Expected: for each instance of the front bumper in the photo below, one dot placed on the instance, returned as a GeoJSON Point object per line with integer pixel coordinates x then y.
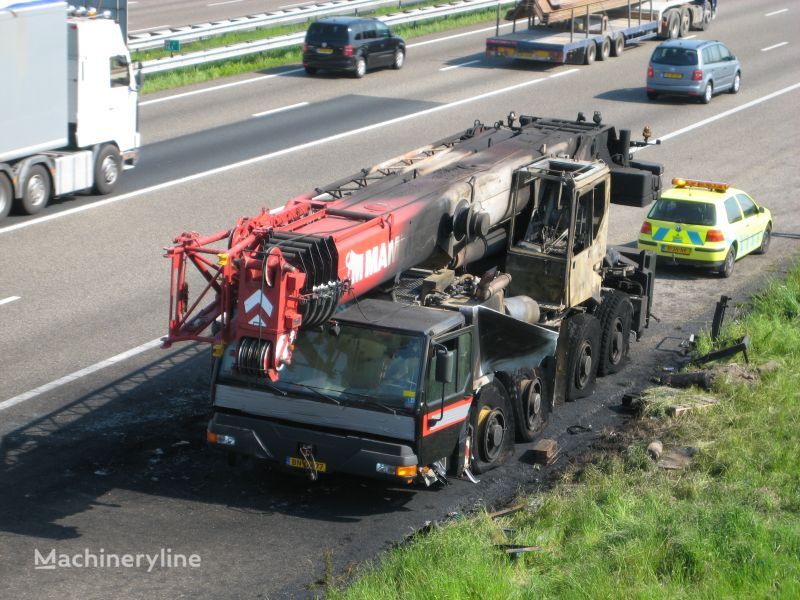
{"type": "Point", "coordinates": [340, 452]}
{"type": "Point", "coordinates": [697, 257]}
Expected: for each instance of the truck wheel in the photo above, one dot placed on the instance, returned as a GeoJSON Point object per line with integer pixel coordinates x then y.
{"type": "Point", "coordinates": [590, 54]}
{"type": "Point", "coordinates": [673, 25]}
{"type": "Point", "coordinates": [726, 270]}
{"type": "Point", "coordinates": [6, 196]}
{"type": "Point", "coordinates": [583, 341]}
{"type": "Point", "coordinates": [492, 424]}
{"type": "Point", "coordinates": [705, 19]}
{"type": "Point", "coordinates": [35, 190]}
{"type": "Point", "coordinates": [616, 316]}
{"type": "Point", "coordinates": [685, 22]}
{"type": "Point", "coordinates": [531, 406]}
{"type": "Point", "coordinates": [107, 169]}
{"type": "Point", "coordinates": [618, 47]}
{"type": "Point", "coordinates": [762, 249]}
{"type": "Point", "coordinates": [605, 49]}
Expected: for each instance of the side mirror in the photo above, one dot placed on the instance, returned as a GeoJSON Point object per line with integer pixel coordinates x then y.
{"type": "Point", "coordinates": [761, 209]}
{"type": "Point", "coordinates": [139, 75]}
{"type": "Point", "coordinates": [445, 365]}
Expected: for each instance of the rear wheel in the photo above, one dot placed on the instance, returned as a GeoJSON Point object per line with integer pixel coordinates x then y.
{"type": "Point", "coordinates": [605, 49]}
{"type": "Point", "coordinates": [685, 22]}
{"type": "Point", "coordinates": [618, 46]}
{"type": "Point", "coordinates": [399, 59]}
{"type": "Point", "coordinates": [673, 25]}
{"type": "Point", "coordinates": [6, 195]}
{"type": "Point", "coordinates": [765, 240]}
{"type": "Point", "coordinates": [107, 169]}
{"type": "Point", "coordinates": [35, 190]}
{"type": "Point", "coordinates": [708, 93]}
{"type": "Point", "coordinates": [531, 406]}
{"type": "Point", "coordinates": [583, 341]}
{"type": "Point", "coordinates": [726, 270]}
{"type": "Point", "coordinates": [492, 425]}
{"type": "Point", "coordinates": [591, 53]}
{"type": "Point", "coordinates": [737, 83]}
{"type": "Point", "coordinates": [361, 67]}
{"type": "Point", "coordinates": [616, 316]}
{"type": "Point", "coordinates": [705, 20]}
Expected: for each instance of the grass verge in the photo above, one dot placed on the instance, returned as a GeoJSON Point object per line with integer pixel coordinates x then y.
{"type": "Point", "coordinates": [157, 82]}
{"type": "Point", "coordinates": [728, 525]}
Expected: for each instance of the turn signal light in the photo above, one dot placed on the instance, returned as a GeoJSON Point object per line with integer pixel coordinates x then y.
{"type": "Point", "coordinates": [697, 75]}
{"type": "Point", "coordinates": [347, 50]}
{"type": "Point", "coordinates": [406, 471]}
{"type": "Point", "coordinates": [647, 228]}
{"type": "Point", "coordinates": [650, 72]}
{"type": "Point", "coordinates": [715, 235]}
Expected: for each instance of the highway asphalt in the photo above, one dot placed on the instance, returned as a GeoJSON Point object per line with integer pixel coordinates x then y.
{"type": "Point", "coordinates": [80, 463]}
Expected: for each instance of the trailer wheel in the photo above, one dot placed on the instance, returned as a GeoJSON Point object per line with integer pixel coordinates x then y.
{"type": "Point", "coordinates": [589, 54]}
{"type": "Point", "coordinates": [616, 316]}
{"type": "Point", "coordinates": [531, 405]}
{"type": "Point", "coordinates": [605, 49]}
{"type": "Point", "coordinates": [492, 424]}
{"type": "Point", "coordinates": [673, 25]}
{"type": "Point", "coordinates": [35, 190]}
{"type": "Point", "coordinates": [685, 22]}
{"type": "Point", "coordinates": [705, 19]}
{"type": "Point", "coordinates": [618, 46]}
{"type": "Point", "coordinates": [583, 341]}
{"type": "Point", "coordinates": [107, 169]}
{"type": "Point", "coordinates": [6, 196]}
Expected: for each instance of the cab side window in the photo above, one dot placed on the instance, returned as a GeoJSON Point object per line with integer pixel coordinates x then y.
{"type": "Point", "coordinates": [120, 76]}
{"type": "Point", "coordinates": [749, 207]}
{"type": "Point", "coordinates": [369, 32]}
{"type": "Point", "coordinates": [732, 209]}
{"type": "Point", "coordinates": [382, 30]}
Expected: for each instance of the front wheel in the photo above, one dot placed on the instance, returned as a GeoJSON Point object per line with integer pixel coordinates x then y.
{"type": "Point", "coordinates": [399, 59]}
{"type": "Point", "coordinates": [35, 190]}
{"type": "Point", "coordinates": [737, 83]}
{"type": "Point", "coordinates": [492, 425]}
{"type": "Point", "coordinates": [708, 93]}
{"type": "Point", "coordinates": [107, 169]}
{"type": "Point", "coordinates": [361, 67]}
{"type": "Point", "coordinates": [591, 53]}
{"type": "Point", "coordinates": [730, 260]}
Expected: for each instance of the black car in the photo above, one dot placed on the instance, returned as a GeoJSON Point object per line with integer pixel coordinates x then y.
{"type": "Point", "coordinates": [351, 44]}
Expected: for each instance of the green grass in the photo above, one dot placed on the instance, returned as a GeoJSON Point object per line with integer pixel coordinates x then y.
{"type": "Point", "coordinates": [157, 82]}
{"type": "Point", "coordinates": [726, 527]}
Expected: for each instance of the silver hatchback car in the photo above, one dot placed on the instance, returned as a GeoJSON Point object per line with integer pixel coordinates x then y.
{"type": "Point", "coordinates": [697, 68]}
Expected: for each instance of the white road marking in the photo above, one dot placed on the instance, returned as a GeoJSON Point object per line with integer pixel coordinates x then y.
{"type": "Point", "coordinates": [293, 5]}
{"type": "Point", "coordinates": [776, 12]}
{"type": "Point", "coordinates": [562, 73]}
{"type": "Point", "coordinates": [152, 344]}
{"type": "Point", "coordinates": [689, 37]}
{"type": "Point", "coordinates": [291, 71]}
{"type": "Point", "coordinates": [277, 110]}
{"type": "Point", "coordinates": [79, 374]}
{"type": "Point", "coordinates": [464, 64]}
{"type": "Point", "coordinates": [149, 29]}
{"type": "Point", "coordinates": [9, 300]}
{"type": "Point", "coordinates": [226, 2]}
{"type": "Point", "coordinates": [768, 48]}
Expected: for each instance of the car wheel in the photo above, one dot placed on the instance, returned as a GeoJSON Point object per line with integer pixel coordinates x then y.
{"type": "Point", "coordinates": [107, 168]}
{"type": "Point", "coordinates": [605, 49]}
{"type": "Point", "coordinates": [591, 53]}
{"type": "Point", "coordinates": [737, 83]}
{"type": "Point", "coordinates": [6, 196]}
{"type": "Point", "coordinates": [730, 260]}
{"type": "Point", "coordinates": [35, 190]}
{"type": "Point", "coordinates": [765, 240]}
{"type": "Point", "coordinates": [583, 341]}
{"type": "Point", "coordinates": [311, 70]}
{"type": "Point", "coordinates": [399, 59]}
{"type": "Point", "coordinates": [685, 23]}
{"type": "Point", "coordinates": [492, 428]}
{"type": "Point", "coordinates": [708, 93]}
{"type": "Point", "coordinates": [361, 67]}
{"type": "Point", "coordinates": [652, 95]}
{"type": "Point", "coordinates": [618, 46]}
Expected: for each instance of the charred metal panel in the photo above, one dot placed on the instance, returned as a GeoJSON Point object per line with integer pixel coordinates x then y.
{"type": "Point", "coordinates": [508, 345]}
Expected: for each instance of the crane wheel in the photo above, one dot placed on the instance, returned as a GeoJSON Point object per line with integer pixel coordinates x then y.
{"type": "Point", "coordinates": [615, 315]}
{"type": "Point", "coordinates": [583, 341]}
{"type": "Point", "coordinates": [492, 424]}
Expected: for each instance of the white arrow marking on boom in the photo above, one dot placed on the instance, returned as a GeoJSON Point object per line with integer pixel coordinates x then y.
{"type": "Point", "coordinates": [256, 299]}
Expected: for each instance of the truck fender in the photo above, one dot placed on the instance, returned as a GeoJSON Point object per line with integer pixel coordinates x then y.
{"type": "Point", "coordinates": [20, 171]}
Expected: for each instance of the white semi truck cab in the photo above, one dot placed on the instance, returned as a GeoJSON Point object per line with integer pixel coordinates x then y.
{"type": "Point", "coordinates": [69, 117]}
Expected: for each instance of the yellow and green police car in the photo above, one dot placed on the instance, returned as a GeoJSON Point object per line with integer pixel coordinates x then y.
{"type": "Point", "coordinates": [705, 224]}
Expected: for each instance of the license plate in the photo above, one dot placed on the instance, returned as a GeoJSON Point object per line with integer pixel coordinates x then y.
{"type": "Point", "coordinates": [324, 50]}
{"type": "Point", "coordinates": [299, 463]}
{"type": "Point", "coordinates": [506, 51]}
{"type": "Point", "coordinates": [676, 250]}
{"type": "Point", "coordinates": [673, 75]}
{"type": "Point", "coordinates": [541, 54]}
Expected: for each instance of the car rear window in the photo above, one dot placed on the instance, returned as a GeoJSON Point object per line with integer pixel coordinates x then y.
{"type": "Point", "coordinates": [327, 32]}
{"type": "Point", "coordinates": [682, 211]}
{"type": "Point", "coordinates": [676, 57]}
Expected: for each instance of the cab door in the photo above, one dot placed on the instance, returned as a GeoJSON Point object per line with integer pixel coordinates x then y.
{"type": "Point", "coordinates": [736, 229]}
{"type": "Point", "coordinates": [752, 225]}
{"type": "Point", "coordinates": [445, 406]}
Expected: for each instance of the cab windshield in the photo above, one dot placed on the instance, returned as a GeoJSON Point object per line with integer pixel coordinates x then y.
{"type": "Point", "coordinates": [684, 211]}
{"type": "Point", "coordinates": [356, 365]}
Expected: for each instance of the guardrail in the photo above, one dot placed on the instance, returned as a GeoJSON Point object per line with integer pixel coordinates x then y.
{"type": "Point", "coordinates": [191, 33]}
{"type": "Point", "coordinates": [295, 39]}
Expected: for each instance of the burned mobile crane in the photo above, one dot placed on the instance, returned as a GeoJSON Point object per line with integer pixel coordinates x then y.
{"type": "Point", "coordinates": [411, 320]}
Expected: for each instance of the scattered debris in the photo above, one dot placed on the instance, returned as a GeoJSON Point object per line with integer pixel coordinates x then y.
{"type": "Point", "coordinates": [573, 429]}
{"type": "Point", "coordinates": [545, 451]}
{"type": "Point", "coordinates": [514, 550]}
{"type": "Point", "coordinates": [740, 346]}
{"type": "Point", "coordinates": [664, 400]}
{"type": "Point", "coordinates": [719, 317]}
{"type": "Point", "coordinates": [677, 459]}
{"type": "Point", "coordinates": [699, 402]}
{"type": "Point", "coordinates": [767, 367]}
{"type": "Point", "coordinates": [506, 511]}
{"type": "Point", "coordinates": [655, 449]}
{"type": "Point", "coordinates": [702, 379]}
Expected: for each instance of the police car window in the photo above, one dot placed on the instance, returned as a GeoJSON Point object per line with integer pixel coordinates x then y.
{"type": "Point", "coordinates": [732, 209]}
{"type": "Point", "coordinates": [748, 206]}
{"type": "Point", "coordinates": [683, 211]}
